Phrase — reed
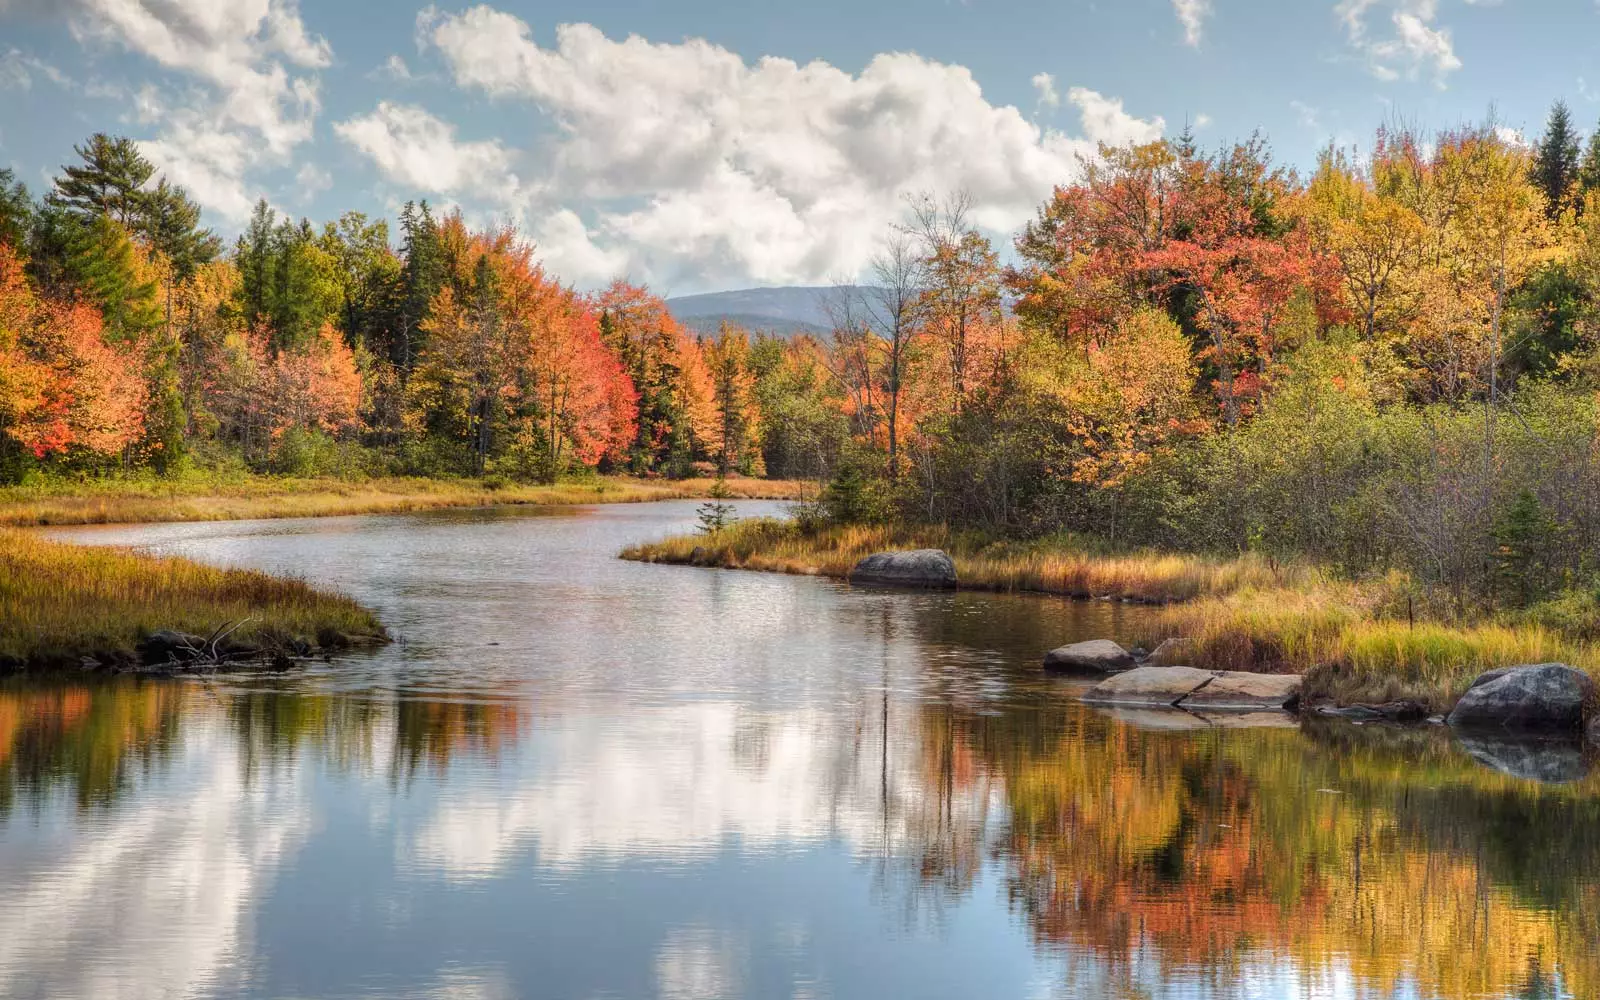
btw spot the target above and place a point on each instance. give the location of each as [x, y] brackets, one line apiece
[59, 602]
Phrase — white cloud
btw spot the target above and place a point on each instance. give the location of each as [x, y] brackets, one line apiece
[1202, 120]
[1045, 85]
[1192, 15]
[393, 68]
[421, 151]
[696, 167]
[17, 70]
[249, 109]
[1105, 121]
[1413, 47]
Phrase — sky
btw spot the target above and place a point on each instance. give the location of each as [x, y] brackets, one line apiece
[701, 145]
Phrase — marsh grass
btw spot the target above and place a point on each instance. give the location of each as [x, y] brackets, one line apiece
[128, 501]
[1353, 639]
[59, 602]
[1059, 565]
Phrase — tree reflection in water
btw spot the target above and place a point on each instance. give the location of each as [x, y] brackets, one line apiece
[1387, 857]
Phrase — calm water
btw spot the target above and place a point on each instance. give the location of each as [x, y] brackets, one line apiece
[579, 777]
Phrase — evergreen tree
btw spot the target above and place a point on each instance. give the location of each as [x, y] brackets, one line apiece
[110, 181]
[254, 257]
[1589, 170]
[1555, 167]
[104, 266]
[171, 224]
[422, 278]
[16, 210]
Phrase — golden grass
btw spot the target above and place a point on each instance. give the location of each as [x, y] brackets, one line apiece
[1338, 634]
[1049, 566]
[125, 502]
[1240, 614]
[59, 602]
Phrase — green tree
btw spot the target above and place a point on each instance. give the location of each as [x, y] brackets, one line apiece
[1555, 160]
[110, 181]
[170, 221]
[16, 209]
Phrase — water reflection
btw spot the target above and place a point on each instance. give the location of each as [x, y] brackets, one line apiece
[801, 791]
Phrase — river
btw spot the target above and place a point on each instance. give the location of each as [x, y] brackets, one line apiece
[577, 777]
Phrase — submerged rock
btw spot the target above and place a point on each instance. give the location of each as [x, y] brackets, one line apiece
[1198, 690]
[1392, 711]
[1555, 762]
[166, 646]
[1094, 658]
[1236, 691]
[1149, 686]
[915, 568]
[1550, 697]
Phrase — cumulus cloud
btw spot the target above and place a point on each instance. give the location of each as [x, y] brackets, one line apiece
[1045, 85]
[1413, 45]
[252, 93]
[691, 166]
[1105, 121]
[422, 152]
[1192, 15]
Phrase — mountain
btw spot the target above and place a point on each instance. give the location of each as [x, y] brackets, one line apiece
[786, 311]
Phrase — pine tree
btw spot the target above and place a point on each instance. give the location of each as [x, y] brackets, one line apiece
[170, 222]
[110, 181]
[422, 278]
[254, 256]
[16, 210]
[1555, 167]
[1589, 170]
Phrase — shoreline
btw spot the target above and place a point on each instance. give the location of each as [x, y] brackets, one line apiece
[73, 608]
[268, 498]
[1244, 614]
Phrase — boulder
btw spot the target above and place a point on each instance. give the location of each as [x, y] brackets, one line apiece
[1094, 658]
[1234, 691]
[166, 645]
[1554, 762]
[1549, 697]
[1171, 653]
[916, 568]
[1149, 686]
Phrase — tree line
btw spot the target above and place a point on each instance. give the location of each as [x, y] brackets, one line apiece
[1390, 361]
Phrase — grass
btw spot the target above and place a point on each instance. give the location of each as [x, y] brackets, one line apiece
[1060, 565]
[125, 501]
[60, 602]
[1351, 638]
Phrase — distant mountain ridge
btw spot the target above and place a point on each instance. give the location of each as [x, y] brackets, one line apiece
[785, 310]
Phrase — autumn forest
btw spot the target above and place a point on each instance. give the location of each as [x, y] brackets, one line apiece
[1388, 362]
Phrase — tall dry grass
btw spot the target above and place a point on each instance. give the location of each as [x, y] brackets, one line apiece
[1049, 566]
[59, 602]
[250, 497]
[1349, 637]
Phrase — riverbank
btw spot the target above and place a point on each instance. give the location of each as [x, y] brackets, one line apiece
[61, 603]
[1355, 641]
[123, 501]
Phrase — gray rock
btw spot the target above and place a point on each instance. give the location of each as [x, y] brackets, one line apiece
[166, 645]
[1548, 696]
[1235, 691]
[1149, 686]
[916, 568]
[1094, 658]
[1555, 762]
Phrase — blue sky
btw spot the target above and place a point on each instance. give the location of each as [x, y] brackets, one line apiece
[713, 144]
